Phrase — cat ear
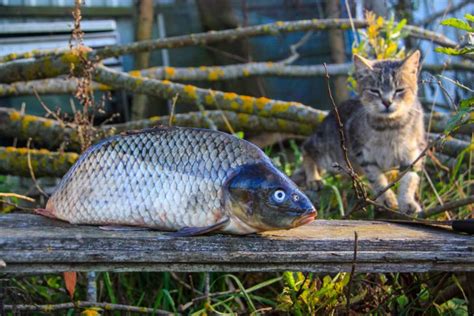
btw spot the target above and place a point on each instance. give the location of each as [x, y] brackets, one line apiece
[362, 64]
[412, 62]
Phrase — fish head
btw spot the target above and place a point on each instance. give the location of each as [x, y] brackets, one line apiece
[264, 198]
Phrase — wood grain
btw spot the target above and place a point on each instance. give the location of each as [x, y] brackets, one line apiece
[34, 244]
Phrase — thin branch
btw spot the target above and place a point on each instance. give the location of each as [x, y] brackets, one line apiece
[48, 308]
[449, 9]
[32, 173]
[447, 206]
[18, 196]
[357, 185]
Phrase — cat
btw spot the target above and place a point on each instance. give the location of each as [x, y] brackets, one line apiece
[383, 130]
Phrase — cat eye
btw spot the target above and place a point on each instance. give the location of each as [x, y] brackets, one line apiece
[374, 91]
[400, 90]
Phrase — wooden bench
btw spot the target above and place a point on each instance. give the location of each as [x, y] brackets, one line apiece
[34, 244]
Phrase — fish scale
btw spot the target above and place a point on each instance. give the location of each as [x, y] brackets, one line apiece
[166, 178]
[185, 179]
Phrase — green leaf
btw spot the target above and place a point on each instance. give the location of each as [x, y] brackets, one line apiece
[454, 51]
[469, 17]
[457, 23]
[467, 103]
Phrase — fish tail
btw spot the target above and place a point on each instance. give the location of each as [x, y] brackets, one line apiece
[48, 211]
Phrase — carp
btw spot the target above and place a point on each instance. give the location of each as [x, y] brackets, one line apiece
[188, 180]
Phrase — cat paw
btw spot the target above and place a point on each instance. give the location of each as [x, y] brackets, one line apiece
[315, 185]
[388, 199]
[410, 207]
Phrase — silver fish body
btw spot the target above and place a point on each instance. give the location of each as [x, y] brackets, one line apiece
[172, 179]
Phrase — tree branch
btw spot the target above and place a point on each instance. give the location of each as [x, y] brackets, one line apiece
[14, 161]
[447, 206]
[216, 99]
[48, 308]
[53, 63]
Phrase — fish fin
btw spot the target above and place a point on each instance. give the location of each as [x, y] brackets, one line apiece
[117, 228]
[195, 231]
[45, 212]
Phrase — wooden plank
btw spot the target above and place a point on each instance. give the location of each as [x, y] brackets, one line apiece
[34, 244]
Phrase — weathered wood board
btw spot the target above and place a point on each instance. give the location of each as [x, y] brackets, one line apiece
[34, 244]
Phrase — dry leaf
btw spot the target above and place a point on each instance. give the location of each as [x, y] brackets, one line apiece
[70, 279]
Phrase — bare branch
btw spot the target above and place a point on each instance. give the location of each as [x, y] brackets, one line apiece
[215, 99]
[48, 308]
[447, 206]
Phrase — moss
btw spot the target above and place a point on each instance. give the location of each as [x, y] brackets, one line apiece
[280, 107]
[234, 105]
[209, 98]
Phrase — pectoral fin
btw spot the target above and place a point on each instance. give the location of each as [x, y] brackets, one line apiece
[195, 231]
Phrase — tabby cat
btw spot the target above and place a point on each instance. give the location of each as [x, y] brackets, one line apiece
[383, 129]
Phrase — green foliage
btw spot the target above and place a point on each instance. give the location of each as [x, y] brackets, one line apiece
[381, 40]
[305, 295]
[460, 25]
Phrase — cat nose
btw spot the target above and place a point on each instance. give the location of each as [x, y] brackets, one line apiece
[387, 103]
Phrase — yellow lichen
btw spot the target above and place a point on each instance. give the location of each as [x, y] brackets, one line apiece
[280, 107]
[169, 72]
[243, 118]
[247, 103]
[234, 105]
[15, 115]
[280, 23]
[230, 96]
[27, 119]
[209, 98]
[191, 91]
[246, 72]
[10, 149]
[215, 74]
[135, 73]
[22, 151]
[165, 81]
[155, 119]
[261, 102]
[48, 123]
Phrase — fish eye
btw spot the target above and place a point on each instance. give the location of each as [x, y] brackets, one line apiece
[279, 195]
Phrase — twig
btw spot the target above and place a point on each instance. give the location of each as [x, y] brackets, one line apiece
[294, 49]
[449, 9]
[83, 304]
[447, 206]
[173, 106]
[18, 196]
[351, 276]
[32, 173]
[357, 185]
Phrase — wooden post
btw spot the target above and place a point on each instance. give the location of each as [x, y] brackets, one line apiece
[144, 24]
[338, 52]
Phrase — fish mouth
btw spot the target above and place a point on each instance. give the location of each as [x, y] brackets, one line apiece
[307, 218]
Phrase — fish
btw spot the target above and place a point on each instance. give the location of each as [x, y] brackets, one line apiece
[189, 181]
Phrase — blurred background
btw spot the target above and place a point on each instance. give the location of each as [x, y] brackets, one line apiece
[26, 25]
